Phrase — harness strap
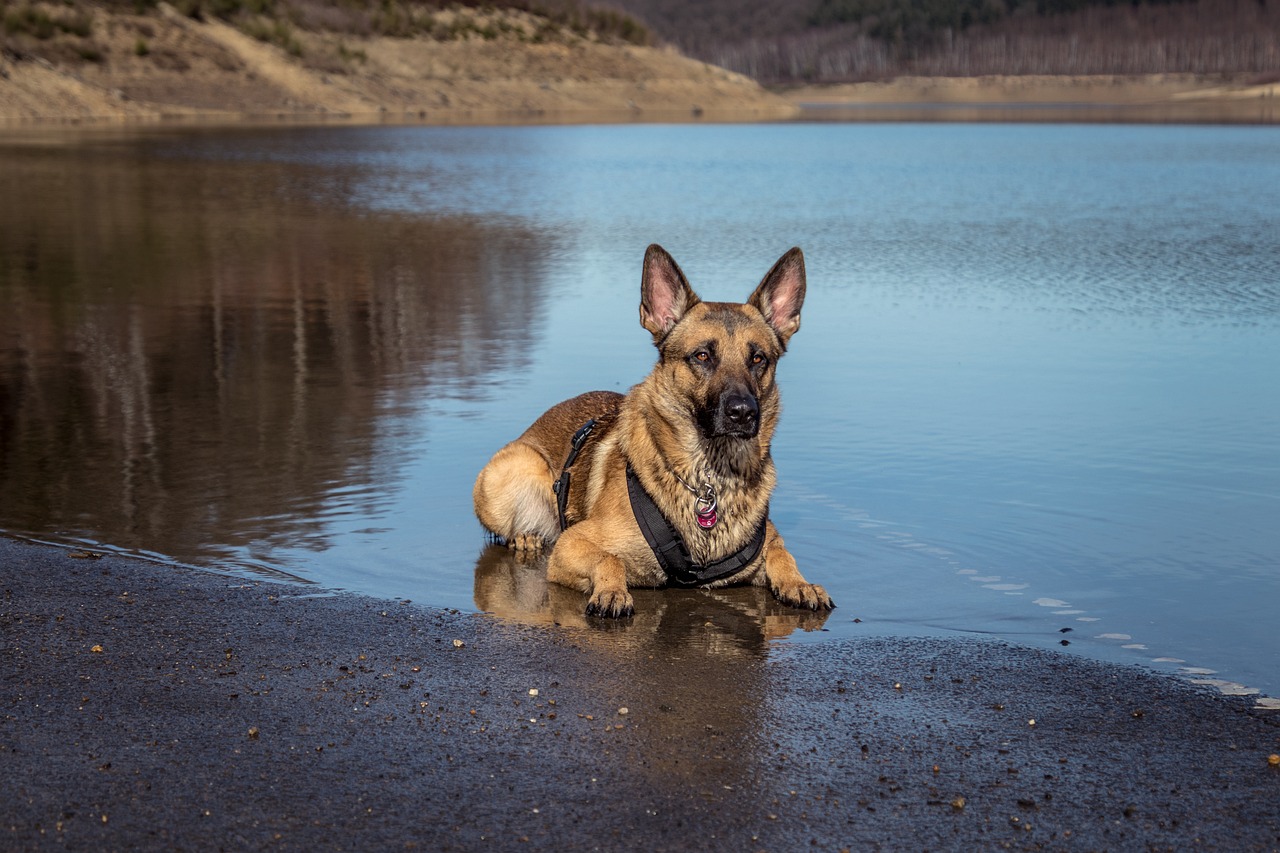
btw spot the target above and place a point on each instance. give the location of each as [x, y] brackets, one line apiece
[561, 486]
[669, 549]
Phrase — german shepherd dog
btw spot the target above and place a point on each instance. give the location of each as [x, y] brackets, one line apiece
[669, 484]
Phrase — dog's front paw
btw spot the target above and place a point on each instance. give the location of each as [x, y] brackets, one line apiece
[806, 595]
[613, 603]
[525, 543]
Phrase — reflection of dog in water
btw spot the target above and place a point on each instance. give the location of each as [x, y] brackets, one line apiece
[732, 621]
[668, 485]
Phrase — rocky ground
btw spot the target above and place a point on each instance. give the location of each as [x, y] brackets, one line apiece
[144, 706]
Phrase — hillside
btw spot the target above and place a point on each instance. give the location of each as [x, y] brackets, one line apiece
[316, 60]
[836, 41]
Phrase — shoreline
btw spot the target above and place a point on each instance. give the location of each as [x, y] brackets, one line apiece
[425, 118]
[802, 106]
[1167, 98]
[1092, 90]
[151, 707]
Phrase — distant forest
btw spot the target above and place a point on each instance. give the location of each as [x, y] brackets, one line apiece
[801, 41]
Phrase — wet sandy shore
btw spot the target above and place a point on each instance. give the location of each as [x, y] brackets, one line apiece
[157, 708]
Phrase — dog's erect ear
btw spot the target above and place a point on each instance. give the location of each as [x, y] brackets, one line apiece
[665, 294]
[781, 294]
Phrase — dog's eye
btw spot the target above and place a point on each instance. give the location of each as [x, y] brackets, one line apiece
[758, 360]
[702, 356]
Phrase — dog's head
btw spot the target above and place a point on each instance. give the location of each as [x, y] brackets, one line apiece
[722, 355]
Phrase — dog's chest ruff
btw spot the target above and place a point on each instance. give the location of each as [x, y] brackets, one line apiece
[669, 547]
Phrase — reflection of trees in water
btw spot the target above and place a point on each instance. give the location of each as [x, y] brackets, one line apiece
[190, 356]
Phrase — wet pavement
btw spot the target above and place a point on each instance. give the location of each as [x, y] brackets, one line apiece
[151, 707]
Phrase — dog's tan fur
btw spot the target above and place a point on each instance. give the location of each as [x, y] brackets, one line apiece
[690, 419]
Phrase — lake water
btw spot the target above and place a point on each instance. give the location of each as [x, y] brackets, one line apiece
[1036, 394]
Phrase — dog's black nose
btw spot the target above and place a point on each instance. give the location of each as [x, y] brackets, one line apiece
[739, 414]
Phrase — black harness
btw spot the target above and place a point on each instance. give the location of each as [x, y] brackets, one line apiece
[664, 540]
[669, 549]
[561, 486]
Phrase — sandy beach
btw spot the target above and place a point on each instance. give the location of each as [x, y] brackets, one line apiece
[154, 707]
[1167, 98]
[1035, 89]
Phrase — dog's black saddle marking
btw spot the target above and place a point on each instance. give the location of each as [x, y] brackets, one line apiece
[669, 548]
[561, 486]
